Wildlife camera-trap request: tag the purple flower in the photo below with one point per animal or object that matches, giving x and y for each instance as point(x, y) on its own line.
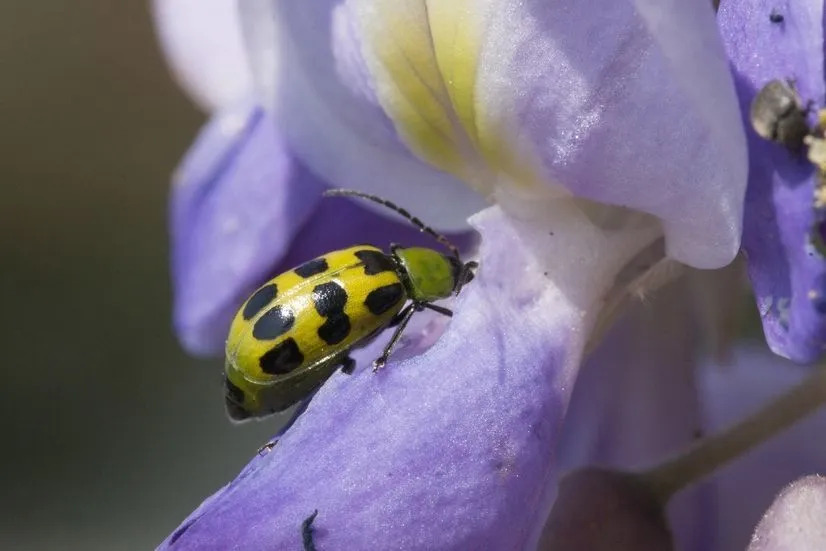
point(608, 138)
point(788, 274)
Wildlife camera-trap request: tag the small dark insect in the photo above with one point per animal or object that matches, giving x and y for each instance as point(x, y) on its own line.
point(265, 449)
point(307, 532)
point(776, 17)
point(777, 114)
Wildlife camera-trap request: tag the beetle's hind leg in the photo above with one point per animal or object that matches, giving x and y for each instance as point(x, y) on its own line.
point(348, 365)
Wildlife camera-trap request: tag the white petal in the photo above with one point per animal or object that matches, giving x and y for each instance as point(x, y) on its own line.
point(203, 46)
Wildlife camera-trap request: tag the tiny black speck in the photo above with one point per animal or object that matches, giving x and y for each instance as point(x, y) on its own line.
point(275, 322)
point(282, 359)
point(776, 17)
point(375, 262)
point(259, 299)
point(380, 300)
point(311, 268)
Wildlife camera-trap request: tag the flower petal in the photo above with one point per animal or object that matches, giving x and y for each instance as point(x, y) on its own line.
point(628, 514)
point(788, 275)
point(238, 199)
point(635, 400)
point(745, 488)
point(450, 449)
point(203, 45)
point(307, 61)
point(794, 522)
point(515, 96)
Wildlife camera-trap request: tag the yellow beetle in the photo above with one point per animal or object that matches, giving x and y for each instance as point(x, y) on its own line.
point(299, 327)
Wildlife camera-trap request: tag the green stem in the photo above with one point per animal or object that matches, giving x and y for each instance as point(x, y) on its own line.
point(713, 452)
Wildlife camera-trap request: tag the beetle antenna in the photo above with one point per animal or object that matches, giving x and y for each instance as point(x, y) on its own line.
point(394, 207)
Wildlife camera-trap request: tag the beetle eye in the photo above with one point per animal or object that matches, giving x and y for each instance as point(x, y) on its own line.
point(466, 275)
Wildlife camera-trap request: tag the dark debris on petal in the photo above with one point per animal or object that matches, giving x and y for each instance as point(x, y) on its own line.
point(782, 229)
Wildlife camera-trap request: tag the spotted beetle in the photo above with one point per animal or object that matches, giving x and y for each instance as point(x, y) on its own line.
point(299, 327)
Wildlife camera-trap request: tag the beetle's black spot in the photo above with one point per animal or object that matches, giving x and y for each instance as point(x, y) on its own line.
point(329, 298)
point(274, 323)
point(375, 262)
point(282, 359)
point(311, 268)
point(384, 298)
point(234, 400)
point(335, 329)
point(259, 299)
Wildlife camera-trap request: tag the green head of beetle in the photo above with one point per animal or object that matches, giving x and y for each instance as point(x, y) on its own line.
point(431, 275)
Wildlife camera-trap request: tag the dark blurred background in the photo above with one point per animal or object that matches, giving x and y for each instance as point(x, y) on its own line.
point(111, 435)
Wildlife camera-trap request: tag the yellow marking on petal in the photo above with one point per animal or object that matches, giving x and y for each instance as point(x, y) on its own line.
point(412, 90)
point(455, 27)
point(424, 56)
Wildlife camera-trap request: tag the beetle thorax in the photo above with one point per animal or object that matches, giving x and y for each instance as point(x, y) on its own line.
point(427, 274)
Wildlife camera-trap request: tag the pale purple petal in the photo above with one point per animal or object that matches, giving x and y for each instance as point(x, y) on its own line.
point(451, 449)
point(635, 401)
point(577, 93)
point(204, 48)
point(788, 275)
point(795, 521)
point(238, 199)
point(745, 488)
point(628, 103)
point(308, 64)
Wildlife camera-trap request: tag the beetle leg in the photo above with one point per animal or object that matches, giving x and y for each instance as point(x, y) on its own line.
point(397, 319)
point(441, 309)
point(408, 313)
point(348, 364)
point(263, 450)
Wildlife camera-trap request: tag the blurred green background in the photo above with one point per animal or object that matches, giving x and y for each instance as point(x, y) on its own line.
point(111, 435)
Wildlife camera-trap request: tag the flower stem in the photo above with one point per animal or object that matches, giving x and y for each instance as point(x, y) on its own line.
point(713, 452)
